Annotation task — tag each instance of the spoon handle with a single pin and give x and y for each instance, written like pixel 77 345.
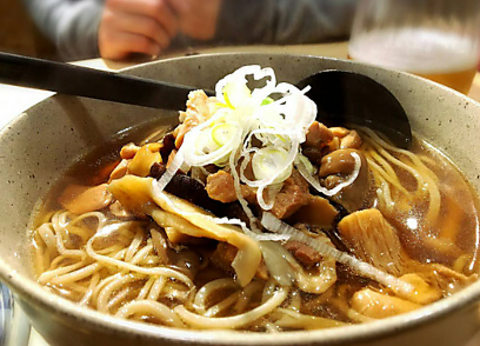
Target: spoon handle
pixel 81 81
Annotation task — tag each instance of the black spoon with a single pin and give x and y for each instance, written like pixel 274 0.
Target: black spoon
pixel 342 97
pixel 345 98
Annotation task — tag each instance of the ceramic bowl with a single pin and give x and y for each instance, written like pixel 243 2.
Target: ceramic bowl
pixel 40 145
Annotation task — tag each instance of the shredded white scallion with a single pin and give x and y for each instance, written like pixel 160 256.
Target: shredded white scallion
pixel 159 194
pixel 275 225
pixel 275 115
pixel 261 130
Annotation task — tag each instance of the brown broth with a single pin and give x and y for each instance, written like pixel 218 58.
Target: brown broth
pixel 463 236
pixel 95 167
pixel 458 202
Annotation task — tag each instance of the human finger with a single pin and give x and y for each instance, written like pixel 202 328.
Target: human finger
pixel 159 10
pixel 180 7
pixel 142 25
pixel 118 45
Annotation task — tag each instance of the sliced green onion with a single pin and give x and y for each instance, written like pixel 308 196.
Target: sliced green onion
pixel 236 93
pixel 271 161
pixel 222 133
pixel 267 101
pixel 307 164
pixel 205 142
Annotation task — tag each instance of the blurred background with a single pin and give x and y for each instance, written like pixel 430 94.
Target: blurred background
pixel 18 33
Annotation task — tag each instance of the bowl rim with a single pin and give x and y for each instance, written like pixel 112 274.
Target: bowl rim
pixel 29 290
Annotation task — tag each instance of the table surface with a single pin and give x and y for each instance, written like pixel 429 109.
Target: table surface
pixel 15 100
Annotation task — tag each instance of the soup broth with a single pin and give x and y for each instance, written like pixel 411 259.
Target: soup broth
pixel 450 240
pixel 181 232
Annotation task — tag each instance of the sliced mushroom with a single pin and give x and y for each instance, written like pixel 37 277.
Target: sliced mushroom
pixel 318 212
pixel 144 159
pixel 120 170
pixel 128 151
pixel 336 167
pixel 167 210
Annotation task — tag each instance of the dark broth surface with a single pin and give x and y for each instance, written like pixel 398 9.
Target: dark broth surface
pixel 450 240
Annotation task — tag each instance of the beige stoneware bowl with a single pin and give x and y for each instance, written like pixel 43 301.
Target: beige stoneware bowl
pixel 39 146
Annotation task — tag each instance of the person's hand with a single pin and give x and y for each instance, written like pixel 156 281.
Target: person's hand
pixel 136 26
pixel 198 18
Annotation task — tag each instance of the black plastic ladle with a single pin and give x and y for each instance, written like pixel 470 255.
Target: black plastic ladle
pixel 342 97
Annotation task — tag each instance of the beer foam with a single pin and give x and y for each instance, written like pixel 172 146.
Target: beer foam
pixel 416 50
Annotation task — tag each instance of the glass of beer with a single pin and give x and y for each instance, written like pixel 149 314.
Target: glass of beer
pixel 435 39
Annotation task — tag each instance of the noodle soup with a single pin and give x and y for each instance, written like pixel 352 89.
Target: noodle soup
pixel 188 232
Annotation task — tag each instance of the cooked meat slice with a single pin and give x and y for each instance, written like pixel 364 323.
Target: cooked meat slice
pixel 351 140
pixel 318 135
pixel 83 199
pixel 128 151
pixel 318 212
pixel 224 255
pixel 304 253
pixel 200 107
pixel 371 238
pixel 339 132
pixel 248 172
pixel 293 195
pixel 336 167
pixel 378 305
pixel 221 187
pixel 322 273
pixel 249 193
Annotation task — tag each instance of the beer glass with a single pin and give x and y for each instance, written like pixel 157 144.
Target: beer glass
pixel 435 39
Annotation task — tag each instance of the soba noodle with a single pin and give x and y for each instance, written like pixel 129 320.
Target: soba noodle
pixel 157 260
